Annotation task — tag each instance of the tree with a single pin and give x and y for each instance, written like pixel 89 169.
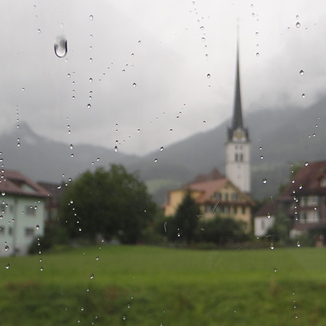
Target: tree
pixel 107 203
pixel 186 218
pixel 222 230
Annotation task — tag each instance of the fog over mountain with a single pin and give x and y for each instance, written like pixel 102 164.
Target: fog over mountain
pixel 279 138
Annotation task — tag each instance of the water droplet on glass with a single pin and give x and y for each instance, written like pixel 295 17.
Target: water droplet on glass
pixel 41 269
pixel 268 215
pixel 3 194
pixel 134 84
pixel 203 39
pixel 90 59
pixel 91 276
pixel 91 17
pixel 298 244
pixel 179 235
pixel 71 155
pixel 261 157
pixel 303 95
pixel 257 54
pixel 90 80
pixel 161 149
pixel 296 316
pixel 264 180
pixel 275 270
pixel 37 227
pixel 38 31
pixel 82 309
pixel 7 266
pixel 171 130
pixel 306 164
pixel 155 160
pixel 124 318
pixel 272 246
pixel 139 42
pixel 61 48
pixel 257 33
pixel 97 258
pixel 115 148
pixel 301 72
pixel 208 75
pixel 89 106
pixel 297 24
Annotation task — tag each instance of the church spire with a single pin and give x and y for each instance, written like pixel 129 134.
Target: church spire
pixel 237 121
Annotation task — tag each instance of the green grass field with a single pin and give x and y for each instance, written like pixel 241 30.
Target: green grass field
pixel 138 285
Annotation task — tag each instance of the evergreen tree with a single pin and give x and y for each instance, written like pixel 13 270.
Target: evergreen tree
pixel 186 218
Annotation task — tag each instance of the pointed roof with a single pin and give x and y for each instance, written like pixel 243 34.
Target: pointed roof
pixel 237 120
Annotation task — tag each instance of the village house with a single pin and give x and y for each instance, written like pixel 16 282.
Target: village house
pixel 214 194
pixel 303 201
pixel 22 212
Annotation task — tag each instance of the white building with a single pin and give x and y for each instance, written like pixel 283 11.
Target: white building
pixel 22 212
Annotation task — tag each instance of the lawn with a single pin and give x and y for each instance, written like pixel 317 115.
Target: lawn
pixel 139 285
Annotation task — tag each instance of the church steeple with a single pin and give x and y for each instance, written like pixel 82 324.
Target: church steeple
pixel 237 167
pixel 237 120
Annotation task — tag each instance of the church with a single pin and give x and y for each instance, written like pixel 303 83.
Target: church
pixel 229 195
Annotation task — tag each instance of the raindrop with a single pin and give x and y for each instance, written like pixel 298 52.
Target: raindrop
pixel 261 157
pixel 3 194
pixel 155 160
pixel 272 246
pixel 268 215
pixel 275 270
pixel 89 106
pixel 297 24
pixel 202 27
pixel 203 39
pixel 115 148
pixel 139 42
pixel 298 244
pixel 98 159
pixel 71 155
pixel 257 33
pixel 91 276
pixel 303 95
pixel 91 17
pixel 264 180
pixel 61 48
pixel 179 235
pixel 132 54
pixel 306 164
pixel 134 84
pixel 37 227
pixel 138 130
pixel 90 59
pixel 38 31
pixel 171 130
pixel 296 316
pixel 257 54
pixel 208 75
pixel 41 269
pixel 90 80
pixel 161 149
pixel 301 72
pixel 82 309
pixel 97 258
pixel 7 266
pixel 124 318
pixel 71 146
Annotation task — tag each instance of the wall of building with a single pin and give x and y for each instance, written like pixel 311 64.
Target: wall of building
pixel 22 220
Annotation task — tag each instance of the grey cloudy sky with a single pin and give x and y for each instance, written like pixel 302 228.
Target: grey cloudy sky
pixel 149 61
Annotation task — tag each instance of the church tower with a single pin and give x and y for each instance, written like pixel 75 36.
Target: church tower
pixel 237 167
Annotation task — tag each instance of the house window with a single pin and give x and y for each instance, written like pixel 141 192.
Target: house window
pixel 241 157
pixel 217 196
pixel 243 210
pixel 226 196
pixel 323 182
pixel 29 232
pixel 236 157
pixel 234 197
pixel 262 224
pixel 312 217
pixel 30 211
pixel 303 217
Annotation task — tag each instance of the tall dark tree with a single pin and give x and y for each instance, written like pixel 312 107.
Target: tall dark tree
pixel 186 218
pixel 107 203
